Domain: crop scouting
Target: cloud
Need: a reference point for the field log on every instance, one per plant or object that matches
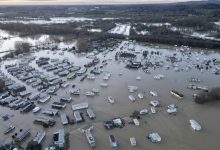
(85, 1)
(41, 0)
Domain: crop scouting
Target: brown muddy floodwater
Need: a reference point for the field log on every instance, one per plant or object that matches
(174, 130)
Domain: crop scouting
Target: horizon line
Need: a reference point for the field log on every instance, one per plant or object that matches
(98, 4)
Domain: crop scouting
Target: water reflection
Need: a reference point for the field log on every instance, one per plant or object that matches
(174, 130)
(8, 41)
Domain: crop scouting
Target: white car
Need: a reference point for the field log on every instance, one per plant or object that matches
(36, 109)
(154, 137)
(143, 111)
(133, 141)
(195, 125)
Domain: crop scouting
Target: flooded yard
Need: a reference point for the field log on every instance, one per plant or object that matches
(174, 130)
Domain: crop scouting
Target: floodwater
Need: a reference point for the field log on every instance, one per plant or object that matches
(175, 131)
(38, 40)
(52, 20)
(204, 36)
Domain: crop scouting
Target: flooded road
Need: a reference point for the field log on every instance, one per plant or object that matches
(174, 130)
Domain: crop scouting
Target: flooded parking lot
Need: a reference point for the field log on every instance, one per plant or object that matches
(174, 130)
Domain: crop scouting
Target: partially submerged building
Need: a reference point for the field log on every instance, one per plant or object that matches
(59, 138)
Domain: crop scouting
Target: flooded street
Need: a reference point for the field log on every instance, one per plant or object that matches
(174, 130)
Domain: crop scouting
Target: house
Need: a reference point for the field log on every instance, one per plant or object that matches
(22, 135)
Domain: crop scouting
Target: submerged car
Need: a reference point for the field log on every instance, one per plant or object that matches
(113, 142)
(154, 137)
(143, 111)
(109, 124)
(195, 125)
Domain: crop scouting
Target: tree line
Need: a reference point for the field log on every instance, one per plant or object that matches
(211, 96)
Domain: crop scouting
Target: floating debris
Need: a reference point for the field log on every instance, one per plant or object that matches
(104, 85)
(111, 100)
(132, 98)
(159, 77)
(138, 78)
(107, 75)
(120, 74)
(193, 79)
(172, 109)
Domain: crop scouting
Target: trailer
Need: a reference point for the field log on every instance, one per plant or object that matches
(64, 119)
(22, 135)
(78, 116)
(59, 138)
(80, 106)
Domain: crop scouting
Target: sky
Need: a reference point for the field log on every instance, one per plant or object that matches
(88, 2)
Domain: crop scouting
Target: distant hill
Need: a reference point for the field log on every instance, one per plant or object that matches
(205, 1)
(214, 1)
(202, 2)
(206, 4)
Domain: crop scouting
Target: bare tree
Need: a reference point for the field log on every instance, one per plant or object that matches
(2, 85)
(82, 45)
(212, 95)
(22, 47)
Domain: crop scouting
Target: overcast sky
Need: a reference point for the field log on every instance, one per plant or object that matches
(45, 2)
